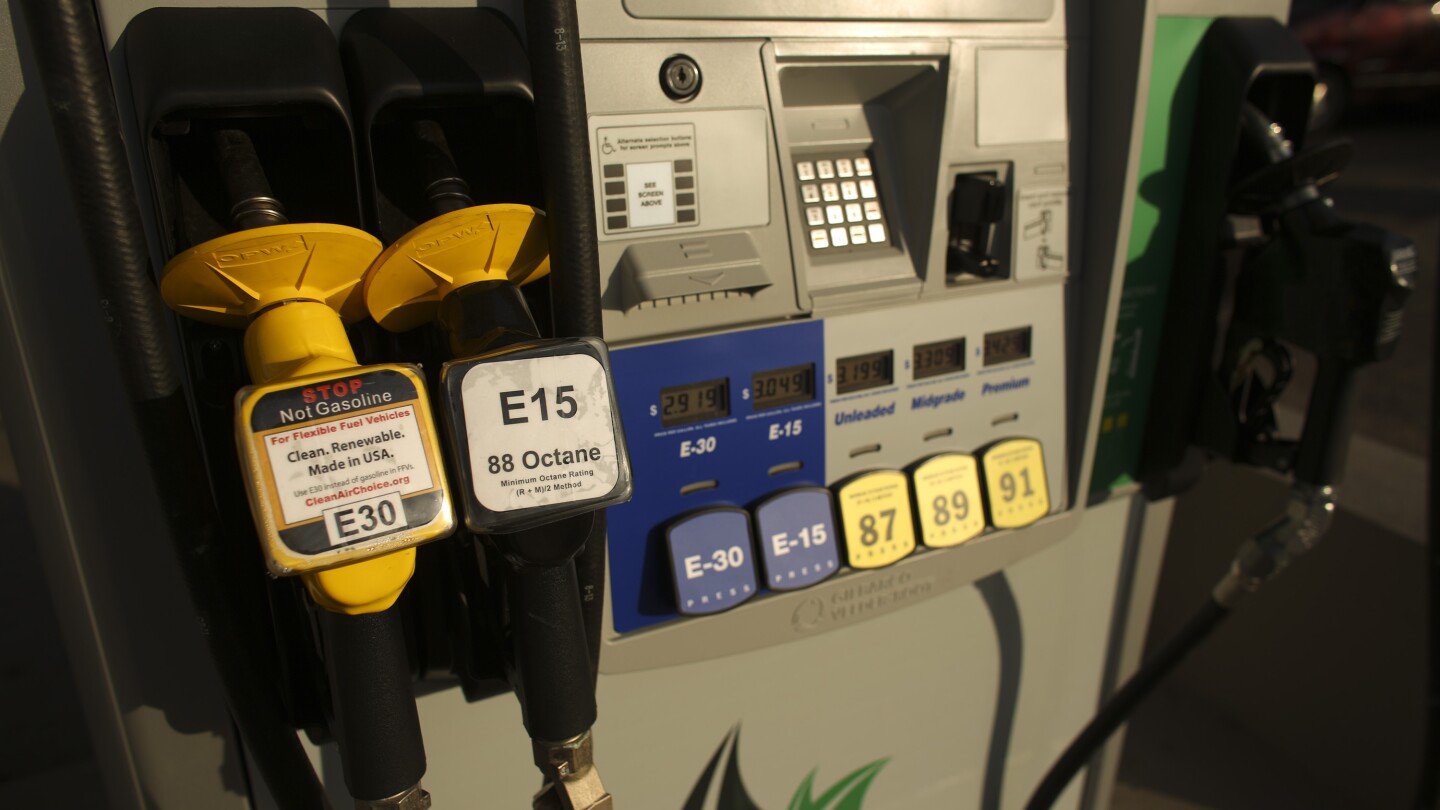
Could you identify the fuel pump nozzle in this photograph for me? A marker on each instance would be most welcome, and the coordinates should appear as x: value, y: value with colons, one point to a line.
x: 1313, y: 281
x: 341, y: 460
x: 535, y: 432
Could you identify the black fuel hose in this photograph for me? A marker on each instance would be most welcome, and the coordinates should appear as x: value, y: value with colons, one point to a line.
x: 553, y: 37
x: 1428, y: 792
x: 1121, y: 704
x: 76, y: 78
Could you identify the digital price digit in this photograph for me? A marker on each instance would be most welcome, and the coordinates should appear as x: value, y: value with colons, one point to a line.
x: 947, y: 498
x: 875, y: 513
x: 1014, y: 474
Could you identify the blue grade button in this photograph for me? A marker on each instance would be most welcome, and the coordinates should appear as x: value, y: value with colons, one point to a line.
x: 797, y: 538
x: 711, y: 560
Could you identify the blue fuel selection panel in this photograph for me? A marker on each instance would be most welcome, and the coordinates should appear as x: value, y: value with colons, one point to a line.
x: 718, y: 421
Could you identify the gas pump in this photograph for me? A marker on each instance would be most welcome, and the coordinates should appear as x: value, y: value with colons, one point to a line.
x: 825, y: 480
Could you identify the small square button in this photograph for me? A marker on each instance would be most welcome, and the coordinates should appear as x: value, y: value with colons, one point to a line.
x: 805, y: 170
x: 825, y: 168
x: 862, y: 166
x: 614, y: 170
x: 830, y: 191
x: 838, y: 237
x: 844, y: 168
x: 819, y: 239
x: 685, y: 215
x: 853, y: 213
x: 872, y: 209
x: 810, y: 193
x: 815, y: 216
x: 877, y: 232
x: 848, y: 190
x: 867, y: 189
x: 834, y: 215
x: 857, y: 234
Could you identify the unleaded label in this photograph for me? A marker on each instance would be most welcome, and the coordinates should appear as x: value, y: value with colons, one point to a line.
x: 346, y: 460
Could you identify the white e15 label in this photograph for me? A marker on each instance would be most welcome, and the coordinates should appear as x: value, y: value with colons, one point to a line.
x: 540, y: 431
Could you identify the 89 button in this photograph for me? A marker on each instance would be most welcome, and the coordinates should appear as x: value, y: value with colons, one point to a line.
x: 947, y: 500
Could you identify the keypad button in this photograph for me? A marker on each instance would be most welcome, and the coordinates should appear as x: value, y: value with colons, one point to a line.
x: 815, y: 216
x: 830, y: 192
x: 838, y: 237
x: 848, y: 190
x: 810, y: 193
x: 877, y: 232
x: 862, y: 166
x: 872, y: 209
x: 852, y: 212
x: 857, y: 234
x: 805, y: 169
x: 867, y: 189
x: 834, y: 215
x: 825, y: 168
x: 844, y: 168
x: 819, y: 239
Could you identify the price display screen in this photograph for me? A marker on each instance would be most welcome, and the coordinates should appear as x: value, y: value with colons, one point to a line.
x: 695, y: 402
x: 1007, y: 346
x: 934, y: 359
x: 783, y: 386
x: 864, y: 371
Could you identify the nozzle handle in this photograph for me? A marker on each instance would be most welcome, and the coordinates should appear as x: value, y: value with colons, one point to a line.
x: 552, y: 657
x: 376, y: 724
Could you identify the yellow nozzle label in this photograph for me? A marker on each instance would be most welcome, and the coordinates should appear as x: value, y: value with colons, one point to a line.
x: 342, y: 467
x: 947, y: 500
x: 482, y: 243
x: 875, y: 516
x: 1015, y: 484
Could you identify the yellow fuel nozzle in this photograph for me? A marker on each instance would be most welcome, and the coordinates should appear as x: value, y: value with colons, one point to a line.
x: 341, y: 461
x: 503, y: 243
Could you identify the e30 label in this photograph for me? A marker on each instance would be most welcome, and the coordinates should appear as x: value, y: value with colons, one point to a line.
x: 1015, y: 483
x: 947, y: 500
x: 711, y: 561
x: 875, y: 511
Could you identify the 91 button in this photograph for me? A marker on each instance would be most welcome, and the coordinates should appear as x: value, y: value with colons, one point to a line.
x: 797, y: 538
x: 1014, y: 474
x: 710, y: 560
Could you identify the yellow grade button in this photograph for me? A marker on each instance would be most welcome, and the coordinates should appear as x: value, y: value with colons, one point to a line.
x: 1014, y: 473
x: 947, y: 499
x: 875, y: 514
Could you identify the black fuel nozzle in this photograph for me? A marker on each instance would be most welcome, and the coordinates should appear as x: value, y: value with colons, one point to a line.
x: 533, y: 425
x: 1320, y: 283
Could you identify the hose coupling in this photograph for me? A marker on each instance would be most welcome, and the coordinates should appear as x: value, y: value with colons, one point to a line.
x: 412, y: 798
x: 572, y: 781
x: 1307, y: 517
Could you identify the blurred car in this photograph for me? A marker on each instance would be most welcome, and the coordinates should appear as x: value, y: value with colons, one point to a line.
x: 1368, y: 50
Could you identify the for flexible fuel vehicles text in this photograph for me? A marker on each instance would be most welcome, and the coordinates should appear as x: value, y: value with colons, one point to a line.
x: 342, y: 464
x: 537, y: 432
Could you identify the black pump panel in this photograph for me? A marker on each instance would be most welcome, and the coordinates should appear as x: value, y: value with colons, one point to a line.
x: 274, y: 73
x: 466, y: 70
